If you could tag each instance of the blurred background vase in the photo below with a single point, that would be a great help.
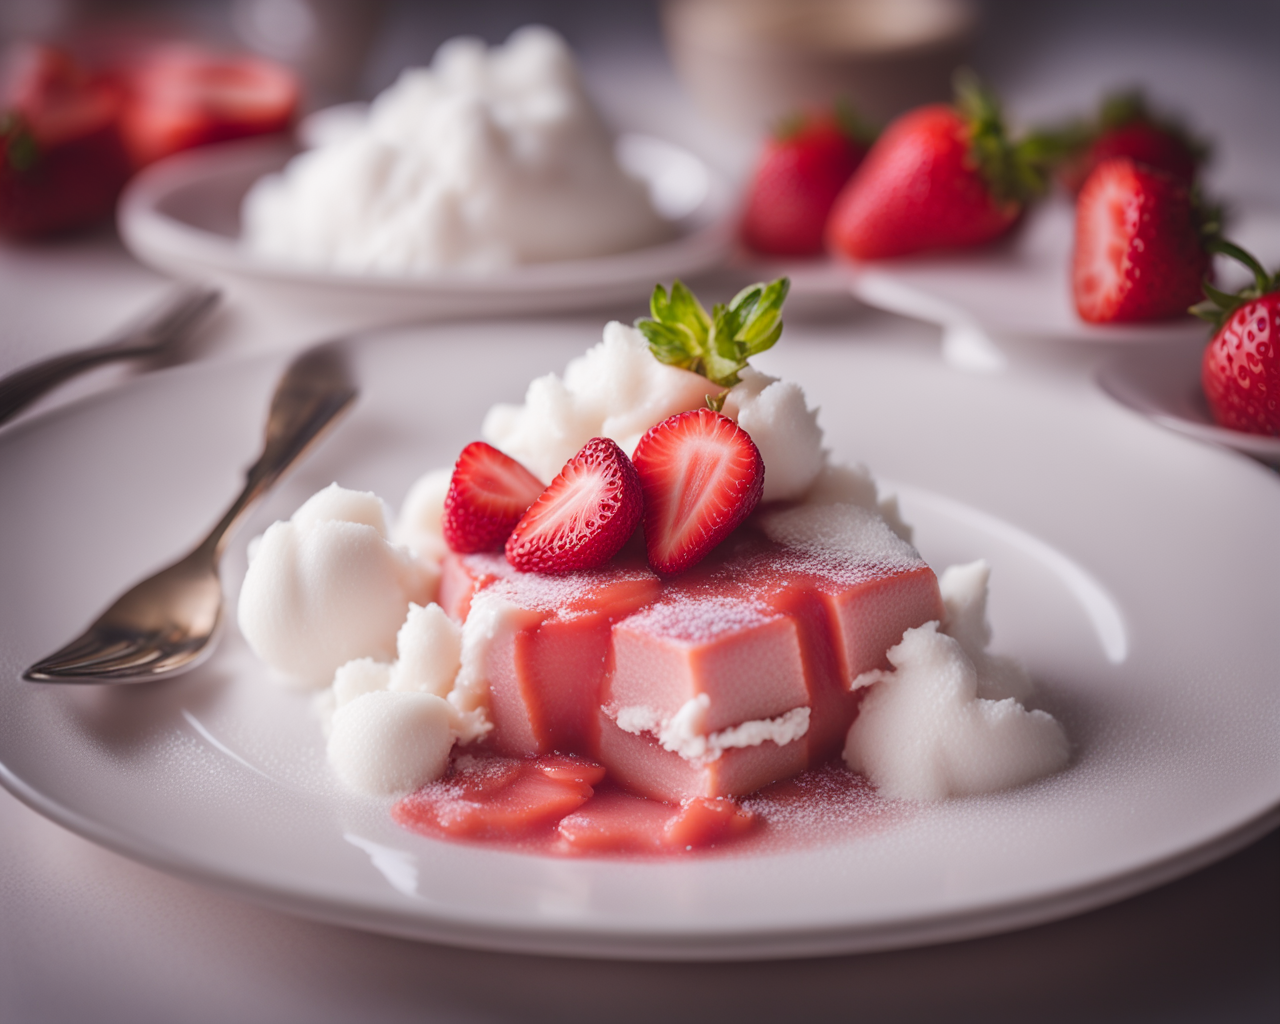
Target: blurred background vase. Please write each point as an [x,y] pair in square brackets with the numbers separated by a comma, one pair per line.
[749,63]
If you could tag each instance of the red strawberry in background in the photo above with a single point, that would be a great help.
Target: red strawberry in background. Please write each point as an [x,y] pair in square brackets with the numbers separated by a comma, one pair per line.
[182,96]
[701,475]
[62,164]
[1241,367]
[1126,127]
[940,177]
[583,517]
[488,493]
[800,173]
[1139,251]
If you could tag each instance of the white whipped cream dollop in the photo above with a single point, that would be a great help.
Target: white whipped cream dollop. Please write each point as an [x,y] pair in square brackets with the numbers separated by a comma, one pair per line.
[388,742]
[488,158]
[402,739]
[420,524]
[617,389]
[947,720]
[327,587]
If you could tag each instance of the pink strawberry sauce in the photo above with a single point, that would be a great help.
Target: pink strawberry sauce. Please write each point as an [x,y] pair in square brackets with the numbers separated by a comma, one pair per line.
[563,806]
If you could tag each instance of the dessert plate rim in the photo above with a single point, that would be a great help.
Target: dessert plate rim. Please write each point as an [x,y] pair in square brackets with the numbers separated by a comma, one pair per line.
[119,767]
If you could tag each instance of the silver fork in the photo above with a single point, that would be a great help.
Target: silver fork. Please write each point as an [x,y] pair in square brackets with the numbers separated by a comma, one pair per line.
[166,623]
[157,333]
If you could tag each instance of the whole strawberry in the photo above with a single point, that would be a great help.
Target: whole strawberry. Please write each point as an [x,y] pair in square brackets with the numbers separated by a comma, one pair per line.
[1241,367]
[940,177]
[1139,250]
[1126,127]
[802,168]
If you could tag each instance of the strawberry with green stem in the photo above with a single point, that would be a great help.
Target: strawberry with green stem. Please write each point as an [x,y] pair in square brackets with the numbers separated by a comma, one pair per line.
[1240,371]
[716,344]
[802,168]
[940,177]
[1126,126]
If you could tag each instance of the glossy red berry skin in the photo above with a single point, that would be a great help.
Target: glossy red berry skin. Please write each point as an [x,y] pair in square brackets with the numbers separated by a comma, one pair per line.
[1241,368]
[799,175]
[919,189]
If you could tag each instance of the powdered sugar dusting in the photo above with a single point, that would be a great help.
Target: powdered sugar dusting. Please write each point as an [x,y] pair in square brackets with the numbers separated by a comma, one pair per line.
[699,618]
[846,544]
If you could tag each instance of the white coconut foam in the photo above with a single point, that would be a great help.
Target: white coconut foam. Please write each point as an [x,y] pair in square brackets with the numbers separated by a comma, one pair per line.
[935,727]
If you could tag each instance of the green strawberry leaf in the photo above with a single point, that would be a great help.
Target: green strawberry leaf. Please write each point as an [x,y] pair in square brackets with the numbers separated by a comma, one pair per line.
[1218,305]
[1013,172]
[717,344]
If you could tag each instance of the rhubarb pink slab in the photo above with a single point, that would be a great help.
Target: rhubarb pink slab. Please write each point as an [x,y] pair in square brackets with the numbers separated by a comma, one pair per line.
[1150,628]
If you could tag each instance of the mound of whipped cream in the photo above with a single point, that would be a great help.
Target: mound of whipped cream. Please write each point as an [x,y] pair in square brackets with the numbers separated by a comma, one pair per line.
[335,602]
[485,159]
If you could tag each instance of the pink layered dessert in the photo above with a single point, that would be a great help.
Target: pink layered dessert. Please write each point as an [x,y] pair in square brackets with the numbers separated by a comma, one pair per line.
[713,684]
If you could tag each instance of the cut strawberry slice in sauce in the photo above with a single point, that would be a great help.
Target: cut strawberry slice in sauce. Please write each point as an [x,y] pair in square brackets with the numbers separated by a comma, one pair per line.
[488,494]
[500,796]
[617,822]
[701,475]
[183,96]
[583,517]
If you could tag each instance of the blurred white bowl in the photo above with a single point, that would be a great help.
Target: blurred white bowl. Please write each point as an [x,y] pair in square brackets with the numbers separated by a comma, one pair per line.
[749,63]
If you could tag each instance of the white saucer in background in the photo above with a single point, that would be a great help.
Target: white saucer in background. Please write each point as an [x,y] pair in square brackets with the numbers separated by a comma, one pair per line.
[1164,383]
[182,216]
[1017,292]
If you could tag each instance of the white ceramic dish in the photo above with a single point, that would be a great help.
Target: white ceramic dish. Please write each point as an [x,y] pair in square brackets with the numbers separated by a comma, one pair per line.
[1163,382]
[1149,629]
[1019,291]
[182,217]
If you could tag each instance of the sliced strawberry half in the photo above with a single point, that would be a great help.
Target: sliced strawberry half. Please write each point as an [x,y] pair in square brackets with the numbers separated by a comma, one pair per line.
[701,475]
[183,96]
[1139,254]
[488,494]
[583,517]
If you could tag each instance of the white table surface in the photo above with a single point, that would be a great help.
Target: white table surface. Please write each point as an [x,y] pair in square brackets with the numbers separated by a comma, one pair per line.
[88,935]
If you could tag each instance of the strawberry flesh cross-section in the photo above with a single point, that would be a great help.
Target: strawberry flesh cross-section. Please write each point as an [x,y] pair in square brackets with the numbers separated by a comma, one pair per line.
[583,517]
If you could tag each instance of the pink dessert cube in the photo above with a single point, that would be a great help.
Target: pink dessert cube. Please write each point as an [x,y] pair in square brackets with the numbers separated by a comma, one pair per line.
[755,632]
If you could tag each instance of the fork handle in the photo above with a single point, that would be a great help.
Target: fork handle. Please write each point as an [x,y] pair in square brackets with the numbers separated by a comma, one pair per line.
[314,391]
[181,312]
[20,389]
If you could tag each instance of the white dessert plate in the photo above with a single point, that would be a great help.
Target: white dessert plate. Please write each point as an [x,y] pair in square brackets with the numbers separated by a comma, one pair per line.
[182,217]
[1163,382]
[1019,290]
[1149,627]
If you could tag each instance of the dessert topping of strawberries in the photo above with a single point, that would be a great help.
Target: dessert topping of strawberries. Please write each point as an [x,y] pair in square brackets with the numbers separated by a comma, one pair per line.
[716,344]
[701,475]
[583,517]
[1139,245]
[488,493]
[939,177]
[1241,367]
[801,170]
